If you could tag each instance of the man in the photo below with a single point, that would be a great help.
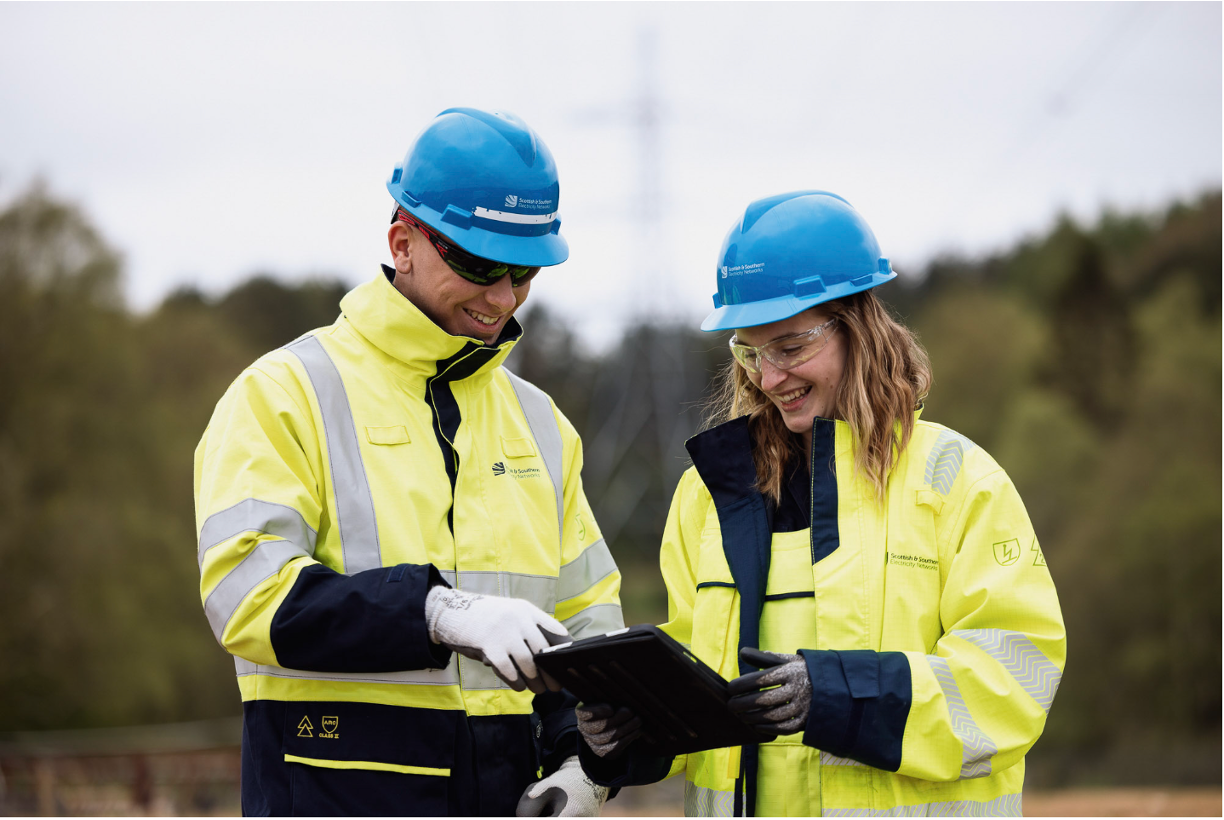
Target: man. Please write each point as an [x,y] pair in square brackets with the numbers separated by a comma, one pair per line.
[381,492]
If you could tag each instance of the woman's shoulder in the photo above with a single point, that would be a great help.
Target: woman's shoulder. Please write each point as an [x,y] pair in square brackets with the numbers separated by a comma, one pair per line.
[947,459]
[691,488]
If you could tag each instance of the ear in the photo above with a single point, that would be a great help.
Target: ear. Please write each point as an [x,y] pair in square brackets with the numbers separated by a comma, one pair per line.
[399,239]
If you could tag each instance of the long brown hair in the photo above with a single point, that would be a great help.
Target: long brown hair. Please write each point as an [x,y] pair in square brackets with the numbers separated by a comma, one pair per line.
[887,375]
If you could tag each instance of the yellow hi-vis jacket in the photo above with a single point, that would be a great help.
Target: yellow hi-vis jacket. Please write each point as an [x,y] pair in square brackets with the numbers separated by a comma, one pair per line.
[929,624]
[341,476]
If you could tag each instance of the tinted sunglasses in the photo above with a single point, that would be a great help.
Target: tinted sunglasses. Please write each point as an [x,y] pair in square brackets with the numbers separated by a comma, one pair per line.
[475,269]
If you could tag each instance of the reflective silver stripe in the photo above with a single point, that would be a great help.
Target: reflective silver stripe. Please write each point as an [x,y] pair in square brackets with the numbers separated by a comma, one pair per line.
[354,503]
[588,569]
[539,414]
[253,515]
[476,676]
[263,561]
[417,677]
[944,463]
[540,590]
[827,759]
[702,802]
[507,216]
[1035,673]
[595,620]
[1009,805]
[976,746]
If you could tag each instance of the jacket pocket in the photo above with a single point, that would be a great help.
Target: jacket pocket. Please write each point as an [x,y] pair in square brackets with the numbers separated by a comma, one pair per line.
[715,636]
[397,434]
[715,627]
[368,759]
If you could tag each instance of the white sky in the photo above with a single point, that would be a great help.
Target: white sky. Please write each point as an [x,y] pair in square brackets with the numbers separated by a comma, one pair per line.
[210,141]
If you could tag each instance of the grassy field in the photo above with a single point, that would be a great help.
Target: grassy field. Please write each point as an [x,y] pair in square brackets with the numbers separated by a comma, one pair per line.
[205,783]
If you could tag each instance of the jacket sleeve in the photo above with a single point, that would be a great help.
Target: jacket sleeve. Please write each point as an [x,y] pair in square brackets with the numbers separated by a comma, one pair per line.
[258,511]
[978,701]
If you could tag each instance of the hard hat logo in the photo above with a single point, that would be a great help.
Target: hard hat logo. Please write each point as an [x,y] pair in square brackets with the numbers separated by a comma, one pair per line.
[789,252]
[465,168]
[740,270]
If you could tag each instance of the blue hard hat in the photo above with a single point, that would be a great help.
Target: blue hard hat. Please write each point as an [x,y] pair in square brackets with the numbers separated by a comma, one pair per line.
[790,252]
[485,181]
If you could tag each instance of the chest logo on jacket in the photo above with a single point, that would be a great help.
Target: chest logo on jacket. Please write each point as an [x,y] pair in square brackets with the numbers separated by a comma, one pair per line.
[500,468]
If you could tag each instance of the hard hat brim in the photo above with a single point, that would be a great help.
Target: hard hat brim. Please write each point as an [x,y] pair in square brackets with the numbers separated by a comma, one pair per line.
[532,251]
[753,314]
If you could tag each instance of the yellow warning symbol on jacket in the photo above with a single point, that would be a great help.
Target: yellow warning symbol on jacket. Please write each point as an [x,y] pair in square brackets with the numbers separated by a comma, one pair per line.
[330,724]
[1007,552]
[304,727]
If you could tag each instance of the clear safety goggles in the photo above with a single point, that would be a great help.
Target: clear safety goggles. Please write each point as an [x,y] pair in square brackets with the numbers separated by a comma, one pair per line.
[785,353]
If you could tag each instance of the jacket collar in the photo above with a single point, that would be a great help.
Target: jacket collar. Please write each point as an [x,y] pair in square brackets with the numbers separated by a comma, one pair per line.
[397,327]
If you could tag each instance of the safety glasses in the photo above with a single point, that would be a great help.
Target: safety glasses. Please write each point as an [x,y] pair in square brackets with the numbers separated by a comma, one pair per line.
[475,269]
[784,353]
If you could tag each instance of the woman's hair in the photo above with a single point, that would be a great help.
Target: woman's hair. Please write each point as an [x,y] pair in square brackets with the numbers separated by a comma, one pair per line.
[886,377]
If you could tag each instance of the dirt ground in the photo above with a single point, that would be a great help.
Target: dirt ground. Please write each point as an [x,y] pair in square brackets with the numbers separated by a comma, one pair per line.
[666,799]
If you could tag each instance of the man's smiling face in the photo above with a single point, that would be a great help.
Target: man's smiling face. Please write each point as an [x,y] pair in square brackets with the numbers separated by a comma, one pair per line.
[459,307]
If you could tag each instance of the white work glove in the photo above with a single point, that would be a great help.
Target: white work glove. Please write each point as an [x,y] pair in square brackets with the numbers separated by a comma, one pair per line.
[607,731]
[567,792]
[782,710]
[503,633]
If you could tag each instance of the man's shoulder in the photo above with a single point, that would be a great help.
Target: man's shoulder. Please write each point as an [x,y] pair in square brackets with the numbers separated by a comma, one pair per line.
[283,367]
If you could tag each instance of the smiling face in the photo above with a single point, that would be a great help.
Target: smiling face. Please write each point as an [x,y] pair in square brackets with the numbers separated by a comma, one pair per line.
[459,307]
[807,390]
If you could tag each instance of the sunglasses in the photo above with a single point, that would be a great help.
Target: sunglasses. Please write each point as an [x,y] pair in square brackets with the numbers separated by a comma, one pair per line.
[475,269]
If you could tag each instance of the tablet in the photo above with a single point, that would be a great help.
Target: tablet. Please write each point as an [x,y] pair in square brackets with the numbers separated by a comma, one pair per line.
[682,702]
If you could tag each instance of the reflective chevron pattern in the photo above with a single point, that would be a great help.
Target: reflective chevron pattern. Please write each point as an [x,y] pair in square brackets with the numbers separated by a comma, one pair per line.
[1035,673]
[944,463]
[827,759]
[702,802]
[1009,805]
[977,747]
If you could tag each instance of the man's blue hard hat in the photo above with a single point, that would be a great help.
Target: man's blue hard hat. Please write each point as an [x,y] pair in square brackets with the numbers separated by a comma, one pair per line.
[485,181]
[790,252]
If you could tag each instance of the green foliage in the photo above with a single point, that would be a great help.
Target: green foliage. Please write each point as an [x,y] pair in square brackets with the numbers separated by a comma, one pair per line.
[1087,361]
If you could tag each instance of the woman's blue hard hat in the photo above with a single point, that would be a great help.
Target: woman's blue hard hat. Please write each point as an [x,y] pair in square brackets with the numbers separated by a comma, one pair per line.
[488,183]
[790,252]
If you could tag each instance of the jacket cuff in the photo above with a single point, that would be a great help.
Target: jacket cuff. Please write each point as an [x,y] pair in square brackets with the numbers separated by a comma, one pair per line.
[556,733]
[633,768]
[441,654]
[860,703]
[371,621]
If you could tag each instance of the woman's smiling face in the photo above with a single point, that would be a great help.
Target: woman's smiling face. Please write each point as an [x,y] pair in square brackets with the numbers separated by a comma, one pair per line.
[807,390]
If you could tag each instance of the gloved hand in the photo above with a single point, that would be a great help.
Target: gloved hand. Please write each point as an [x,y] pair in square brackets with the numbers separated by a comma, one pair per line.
[567,792]
[608,732]
[779,711]
[503,633]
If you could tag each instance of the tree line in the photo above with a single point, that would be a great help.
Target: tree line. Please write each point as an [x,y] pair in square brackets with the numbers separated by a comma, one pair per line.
[1086,360]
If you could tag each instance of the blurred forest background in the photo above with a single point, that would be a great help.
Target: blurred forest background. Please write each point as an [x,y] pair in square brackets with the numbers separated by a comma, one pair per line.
[1086,360]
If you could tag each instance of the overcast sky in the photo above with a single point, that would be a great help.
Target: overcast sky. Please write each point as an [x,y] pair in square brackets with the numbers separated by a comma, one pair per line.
[211,141]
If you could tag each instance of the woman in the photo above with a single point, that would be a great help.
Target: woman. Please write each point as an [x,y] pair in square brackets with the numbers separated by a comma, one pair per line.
[879,569]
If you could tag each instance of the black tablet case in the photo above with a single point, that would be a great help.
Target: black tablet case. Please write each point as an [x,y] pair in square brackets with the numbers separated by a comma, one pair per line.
[682,702]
